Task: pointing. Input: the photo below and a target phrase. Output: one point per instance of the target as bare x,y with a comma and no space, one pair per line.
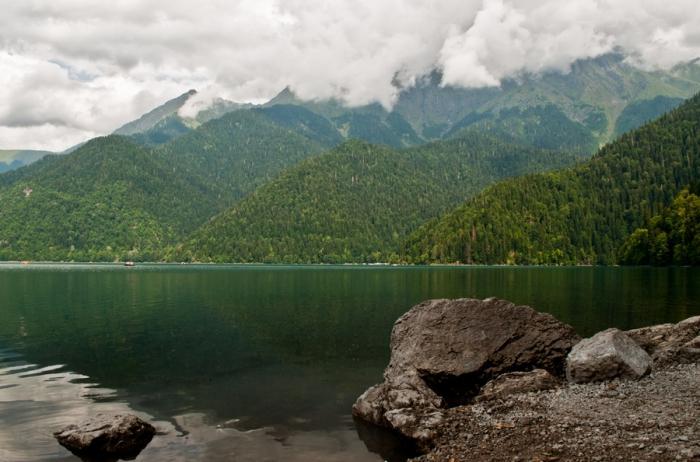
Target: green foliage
358,202
109,200
673,237
575,216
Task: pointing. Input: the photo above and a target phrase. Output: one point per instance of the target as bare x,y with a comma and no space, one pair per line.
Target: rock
105,436
517,382
669,343
444,351
419,425
607,355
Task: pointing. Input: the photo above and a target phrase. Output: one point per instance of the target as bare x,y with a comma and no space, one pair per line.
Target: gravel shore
656,418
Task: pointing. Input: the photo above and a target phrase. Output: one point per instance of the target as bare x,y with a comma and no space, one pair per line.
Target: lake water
256,363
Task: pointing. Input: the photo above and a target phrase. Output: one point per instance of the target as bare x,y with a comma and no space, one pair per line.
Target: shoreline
25,263
484,380
654,419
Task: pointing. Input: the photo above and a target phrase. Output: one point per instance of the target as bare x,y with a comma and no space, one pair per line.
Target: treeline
575,216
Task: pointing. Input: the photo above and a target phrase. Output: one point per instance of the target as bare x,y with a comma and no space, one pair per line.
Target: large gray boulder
607,355
670,343
444,351
107,437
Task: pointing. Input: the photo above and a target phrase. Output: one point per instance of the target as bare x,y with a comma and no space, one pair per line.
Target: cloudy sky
74,69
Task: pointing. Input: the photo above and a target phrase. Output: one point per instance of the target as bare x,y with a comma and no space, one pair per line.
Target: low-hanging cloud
75,68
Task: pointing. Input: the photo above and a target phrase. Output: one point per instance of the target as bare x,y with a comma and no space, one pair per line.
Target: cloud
86,67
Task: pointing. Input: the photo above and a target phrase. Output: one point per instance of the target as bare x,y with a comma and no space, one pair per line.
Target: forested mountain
110,199
574,216
113,199
358,202
14,159
671,238
236,153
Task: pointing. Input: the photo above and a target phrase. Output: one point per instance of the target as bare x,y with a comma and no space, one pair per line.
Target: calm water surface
256,363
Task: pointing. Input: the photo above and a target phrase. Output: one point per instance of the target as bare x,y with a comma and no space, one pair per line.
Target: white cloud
84,68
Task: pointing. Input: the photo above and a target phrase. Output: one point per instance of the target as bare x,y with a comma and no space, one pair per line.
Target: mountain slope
579,215
371,123
152,118
110,199
236,153
358,202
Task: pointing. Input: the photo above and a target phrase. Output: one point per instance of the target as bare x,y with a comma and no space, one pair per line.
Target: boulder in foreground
607,355
107,437
444,351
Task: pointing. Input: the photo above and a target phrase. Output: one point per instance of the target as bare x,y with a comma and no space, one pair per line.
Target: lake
256,363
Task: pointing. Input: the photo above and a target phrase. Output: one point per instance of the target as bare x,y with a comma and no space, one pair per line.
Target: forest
580,215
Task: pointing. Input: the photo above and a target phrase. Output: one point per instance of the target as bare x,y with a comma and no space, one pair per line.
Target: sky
74,69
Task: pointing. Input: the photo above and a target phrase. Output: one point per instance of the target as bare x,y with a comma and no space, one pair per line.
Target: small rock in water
607,355
107,437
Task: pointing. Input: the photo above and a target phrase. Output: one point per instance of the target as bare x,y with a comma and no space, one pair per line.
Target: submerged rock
670,343
517,382
106,437
444,351
607,355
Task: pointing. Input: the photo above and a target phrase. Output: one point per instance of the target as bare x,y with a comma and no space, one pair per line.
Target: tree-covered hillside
358,202
110,199
574,216
237,152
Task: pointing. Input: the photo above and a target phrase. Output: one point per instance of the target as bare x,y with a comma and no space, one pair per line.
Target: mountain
236,153
110,199
115,199
358,202
14,159
575,216
164,124
371,123
638,113
580,110
156,116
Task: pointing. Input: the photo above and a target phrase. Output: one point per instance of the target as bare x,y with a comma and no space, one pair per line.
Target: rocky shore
488,380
